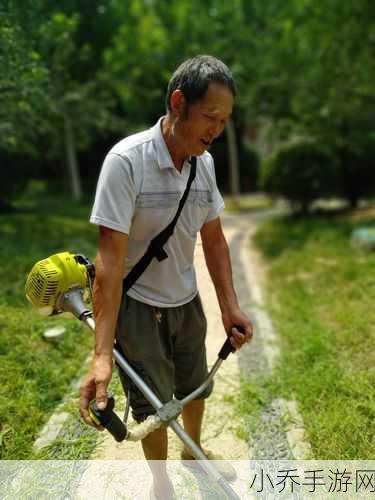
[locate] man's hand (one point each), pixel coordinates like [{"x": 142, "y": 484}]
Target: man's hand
[
  {"x": 231, "y": 319},
  {"x": 216, "y": 253},
  {"x": 95, "y": 386}
]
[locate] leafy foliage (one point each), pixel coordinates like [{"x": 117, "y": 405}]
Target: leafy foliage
[
  {"x": 314, "y": 65},
  {"x": 302, "y": 172},
  {"x": 305, "y": 67},
  {"x": 23, "y": 80},
  {"x": 45, "y": 89}
]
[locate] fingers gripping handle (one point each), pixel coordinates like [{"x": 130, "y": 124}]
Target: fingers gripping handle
[
  {"x": 108, "y": 419},
  {"x": 227, "y": 347}
]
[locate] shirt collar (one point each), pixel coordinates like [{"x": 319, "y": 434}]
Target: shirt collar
[{"x": 163, "y": 156}]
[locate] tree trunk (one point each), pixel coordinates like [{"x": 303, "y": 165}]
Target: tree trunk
[
  {"x": 234, "y": 178},
  {"x": 71, "y": 159}
]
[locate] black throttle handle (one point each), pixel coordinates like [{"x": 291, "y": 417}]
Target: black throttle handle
[
  {"x": 227, "y": 347},
  {"x": 108, "y": 419}
]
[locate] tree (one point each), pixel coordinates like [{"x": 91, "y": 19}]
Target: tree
[
  {"x": 75, "y": 109},
  {"x": 52, "y": 107},
  {"x": 315, "y": 67},
  {"x": 23, "y": 79}
]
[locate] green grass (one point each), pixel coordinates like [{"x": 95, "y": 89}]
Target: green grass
[
  {"x": 254, "y": 396},
  {"x": 321, "y": 295},
  {"x": 35, "y": 374},
  {"x": 77, "y": 441}
]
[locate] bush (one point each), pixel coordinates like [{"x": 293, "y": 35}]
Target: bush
[
  {"x": 301, "y": 172},
  {"x": 357, "y": 174}
]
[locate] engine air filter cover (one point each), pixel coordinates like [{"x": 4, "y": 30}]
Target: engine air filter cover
[{"x": 52, "y": 276}]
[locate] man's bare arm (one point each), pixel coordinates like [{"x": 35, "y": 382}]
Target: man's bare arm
[
  {"x": 109, "y": 274},
  {"x": 218, "y": 262},
  {"x": 109, "y": 271}
]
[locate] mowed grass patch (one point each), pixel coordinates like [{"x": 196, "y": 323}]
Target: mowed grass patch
[
  {"x": 35, "y": 374},
  {"x": 321, "y": 293}
]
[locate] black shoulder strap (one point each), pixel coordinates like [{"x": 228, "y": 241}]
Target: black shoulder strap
[{"x": 155, "y": 248}]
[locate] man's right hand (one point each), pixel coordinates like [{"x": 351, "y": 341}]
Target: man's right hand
[{"x": 95, "y": 386}]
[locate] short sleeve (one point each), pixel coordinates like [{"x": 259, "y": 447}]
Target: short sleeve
[
  {"x": 217, "y": 204},
  {"x": 115, "y": 194}
]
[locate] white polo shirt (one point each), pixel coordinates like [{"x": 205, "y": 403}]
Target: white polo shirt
[{"x": 138, "y": 193}]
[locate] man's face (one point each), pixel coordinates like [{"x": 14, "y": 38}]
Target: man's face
[{"x": 200, "y": 123}]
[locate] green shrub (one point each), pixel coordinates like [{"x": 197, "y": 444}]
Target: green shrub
[
  {"x": 301, "y": 172},
  {"x": 357, "y": 174}
]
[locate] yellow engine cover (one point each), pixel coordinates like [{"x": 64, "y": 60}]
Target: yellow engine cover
[{"x": 52, "y": 276}]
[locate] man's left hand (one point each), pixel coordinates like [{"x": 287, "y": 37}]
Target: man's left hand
[{"x": 236, "y": 318}]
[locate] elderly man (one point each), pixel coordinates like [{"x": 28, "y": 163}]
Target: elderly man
[{"x": 160, "y": 324}]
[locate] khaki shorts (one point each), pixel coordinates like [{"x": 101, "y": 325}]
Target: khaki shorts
[{"x": 166, "y": 347}]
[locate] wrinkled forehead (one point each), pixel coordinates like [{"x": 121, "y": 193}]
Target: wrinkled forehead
[{"x": 218, "y": 99}]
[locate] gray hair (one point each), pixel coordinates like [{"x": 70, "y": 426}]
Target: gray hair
[{"x": 194, "y": 75}]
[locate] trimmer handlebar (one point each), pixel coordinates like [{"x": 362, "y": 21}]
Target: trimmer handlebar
[
  {"x": 108, "y": 418},
  {"x": 227, "y": 347}
]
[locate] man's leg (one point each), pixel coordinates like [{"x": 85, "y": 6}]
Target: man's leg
[
  {"x": 140, "y": 334},
  {"x": 192, "y": 417},
  {"x": 155, "y": 449},
  {"x": 191, "y": 368}
]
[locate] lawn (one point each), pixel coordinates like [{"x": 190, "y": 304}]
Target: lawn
[
  {"x": 321, "y": 294},
  {"x": 35, "y": 373}
]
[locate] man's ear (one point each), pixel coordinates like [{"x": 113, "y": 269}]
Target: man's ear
[{"x": 178, "y": 103}]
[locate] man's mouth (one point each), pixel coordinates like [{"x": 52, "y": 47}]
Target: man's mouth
[{"x": 206, "y": 143}]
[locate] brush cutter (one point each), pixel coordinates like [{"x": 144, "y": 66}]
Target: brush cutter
[{"x": 58, "y": 284}]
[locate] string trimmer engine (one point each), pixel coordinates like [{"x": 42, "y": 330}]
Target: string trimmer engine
[{"x": 52, "y": 278}]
